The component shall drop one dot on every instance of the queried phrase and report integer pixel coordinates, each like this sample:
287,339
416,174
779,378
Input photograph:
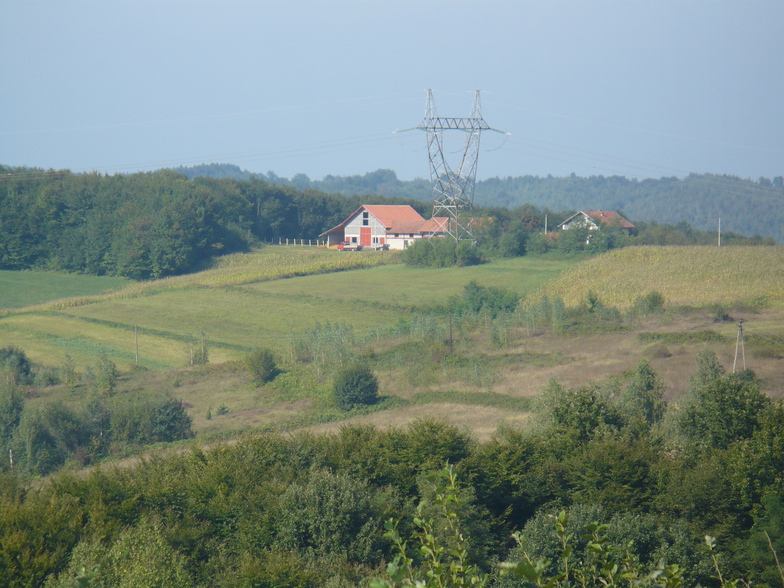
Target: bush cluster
442,252
355,386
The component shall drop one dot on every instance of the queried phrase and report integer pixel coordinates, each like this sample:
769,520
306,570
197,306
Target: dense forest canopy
151,225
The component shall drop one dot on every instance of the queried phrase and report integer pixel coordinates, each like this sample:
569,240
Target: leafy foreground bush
444,558
355,386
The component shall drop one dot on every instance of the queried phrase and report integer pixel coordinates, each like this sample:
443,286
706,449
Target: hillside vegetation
609,411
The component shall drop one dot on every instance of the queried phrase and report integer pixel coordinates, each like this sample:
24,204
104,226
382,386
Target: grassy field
27,288
249,300
264,297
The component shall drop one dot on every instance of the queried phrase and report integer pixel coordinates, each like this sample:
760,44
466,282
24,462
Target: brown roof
608,216
390,214
437,224
405,226
602,217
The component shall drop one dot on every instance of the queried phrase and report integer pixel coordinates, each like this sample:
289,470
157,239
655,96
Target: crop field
248,300
685,276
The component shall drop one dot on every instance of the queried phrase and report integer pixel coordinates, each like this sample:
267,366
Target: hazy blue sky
635,88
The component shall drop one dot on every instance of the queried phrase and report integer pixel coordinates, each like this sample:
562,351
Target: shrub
650,303
154,420
720,409
476,298
47,436
330,514
441,252
261,365
141,556
355,386
106,375
581,413
15,364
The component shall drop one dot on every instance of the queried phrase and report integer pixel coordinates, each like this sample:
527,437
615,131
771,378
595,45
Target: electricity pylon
453,189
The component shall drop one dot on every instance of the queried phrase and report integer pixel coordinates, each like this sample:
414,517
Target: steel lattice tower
453,190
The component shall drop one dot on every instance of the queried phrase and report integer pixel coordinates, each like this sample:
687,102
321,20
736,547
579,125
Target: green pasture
401,286
19,289
236,315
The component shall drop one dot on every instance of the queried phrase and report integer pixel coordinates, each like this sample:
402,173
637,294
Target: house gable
595,219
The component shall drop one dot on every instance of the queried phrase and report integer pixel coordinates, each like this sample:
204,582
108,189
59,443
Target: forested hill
151,225
744,206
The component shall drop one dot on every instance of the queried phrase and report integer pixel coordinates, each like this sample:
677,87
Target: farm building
596,219
384,225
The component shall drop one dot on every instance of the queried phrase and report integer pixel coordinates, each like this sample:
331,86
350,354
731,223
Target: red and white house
384,225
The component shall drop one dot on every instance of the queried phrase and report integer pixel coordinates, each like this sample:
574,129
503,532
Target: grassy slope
249,310
240,305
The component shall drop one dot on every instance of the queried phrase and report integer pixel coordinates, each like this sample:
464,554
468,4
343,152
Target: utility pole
719,231
451,345
739,343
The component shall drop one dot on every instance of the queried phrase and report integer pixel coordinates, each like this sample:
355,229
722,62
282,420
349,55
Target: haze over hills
745,206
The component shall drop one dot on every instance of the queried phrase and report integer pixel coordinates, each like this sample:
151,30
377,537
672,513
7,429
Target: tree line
748,207
151,225
158,224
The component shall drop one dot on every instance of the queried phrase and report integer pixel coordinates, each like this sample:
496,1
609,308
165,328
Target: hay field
686,276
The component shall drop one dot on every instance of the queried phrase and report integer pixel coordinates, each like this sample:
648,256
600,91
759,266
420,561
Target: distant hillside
744,206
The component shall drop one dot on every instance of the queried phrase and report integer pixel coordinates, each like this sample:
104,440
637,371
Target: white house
377,225
595,219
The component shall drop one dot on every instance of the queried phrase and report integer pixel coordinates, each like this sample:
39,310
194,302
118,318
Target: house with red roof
596,219
387,226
